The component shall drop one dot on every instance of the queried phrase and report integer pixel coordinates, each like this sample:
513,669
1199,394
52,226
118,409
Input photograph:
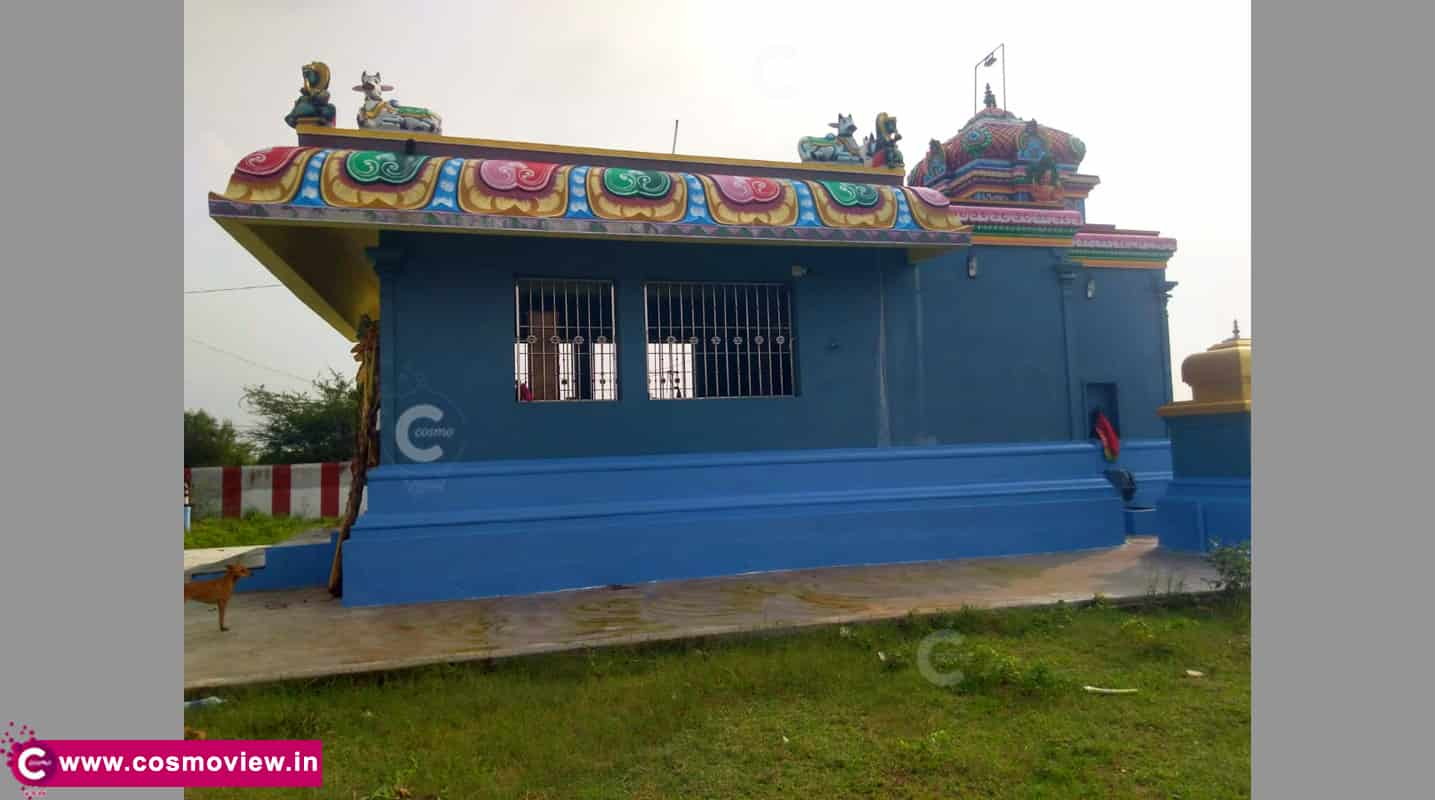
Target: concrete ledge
202,562
297,563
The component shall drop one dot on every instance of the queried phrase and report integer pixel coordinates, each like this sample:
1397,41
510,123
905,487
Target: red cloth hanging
525,394
1110,442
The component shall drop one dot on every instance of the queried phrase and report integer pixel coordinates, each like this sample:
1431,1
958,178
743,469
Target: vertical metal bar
517,334
597,376
791,373
765,356
710,355
667,346
557,352
611,332
727,341
551,372
734,335
1003,49
783,350
583,332
697,335
777,331
682,342
567,384
665,379
665,360
746,336
528,331
647,351
546,355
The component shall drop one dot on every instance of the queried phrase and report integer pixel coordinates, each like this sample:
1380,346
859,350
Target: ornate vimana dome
998,156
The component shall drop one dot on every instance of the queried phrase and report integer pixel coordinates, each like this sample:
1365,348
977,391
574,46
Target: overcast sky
1160,93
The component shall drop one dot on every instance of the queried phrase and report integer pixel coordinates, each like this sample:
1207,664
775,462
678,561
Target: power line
248,361
235,288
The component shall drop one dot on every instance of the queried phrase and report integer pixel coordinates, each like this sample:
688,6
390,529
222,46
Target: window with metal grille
710,340
565,344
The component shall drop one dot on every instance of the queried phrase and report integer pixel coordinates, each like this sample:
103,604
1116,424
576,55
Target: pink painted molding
1122,241
1039,217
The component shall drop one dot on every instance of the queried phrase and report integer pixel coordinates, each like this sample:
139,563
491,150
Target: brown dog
216,592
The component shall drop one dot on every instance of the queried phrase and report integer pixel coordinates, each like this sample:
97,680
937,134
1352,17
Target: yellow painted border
1022,241
1113,264
536,147
1191,409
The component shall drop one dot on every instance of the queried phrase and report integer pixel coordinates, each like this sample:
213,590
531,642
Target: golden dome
1220,380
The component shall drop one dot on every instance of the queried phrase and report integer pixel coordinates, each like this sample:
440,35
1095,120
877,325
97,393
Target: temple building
605,367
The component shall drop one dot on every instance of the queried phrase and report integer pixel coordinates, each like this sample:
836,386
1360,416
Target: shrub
986,668
1146,636
1233,567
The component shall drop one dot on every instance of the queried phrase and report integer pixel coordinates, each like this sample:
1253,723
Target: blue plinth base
450,531
1140,521
1195,511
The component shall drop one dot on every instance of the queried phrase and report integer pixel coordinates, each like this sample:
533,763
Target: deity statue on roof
313,106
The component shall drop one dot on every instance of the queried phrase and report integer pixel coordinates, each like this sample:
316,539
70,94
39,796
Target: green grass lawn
809,714
250,529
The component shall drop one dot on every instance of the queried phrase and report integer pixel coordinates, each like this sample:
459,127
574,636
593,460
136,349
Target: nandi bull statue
838,147
877,150
378,113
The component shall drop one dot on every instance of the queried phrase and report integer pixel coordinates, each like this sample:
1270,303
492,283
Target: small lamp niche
972,265
1091,289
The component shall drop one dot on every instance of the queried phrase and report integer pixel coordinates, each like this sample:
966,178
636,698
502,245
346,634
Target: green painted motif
976,141
372,166
852,194
637,182
1078,148
413,111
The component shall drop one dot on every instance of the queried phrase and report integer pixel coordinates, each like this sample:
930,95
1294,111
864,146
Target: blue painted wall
1120,340
888,354
990,356
934,419
985,359
1210,497
453,308
1212,445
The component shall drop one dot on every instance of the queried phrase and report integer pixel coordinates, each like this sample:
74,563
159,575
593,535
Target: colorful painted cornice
1122,249
382,188
1001,181
1031,227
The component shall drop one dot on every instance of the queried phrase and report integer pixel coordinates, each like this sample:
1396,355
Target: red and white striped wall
281,490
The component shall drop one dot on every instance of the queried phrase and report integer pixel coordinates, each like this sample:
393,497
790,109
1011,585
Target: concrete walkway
302,634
